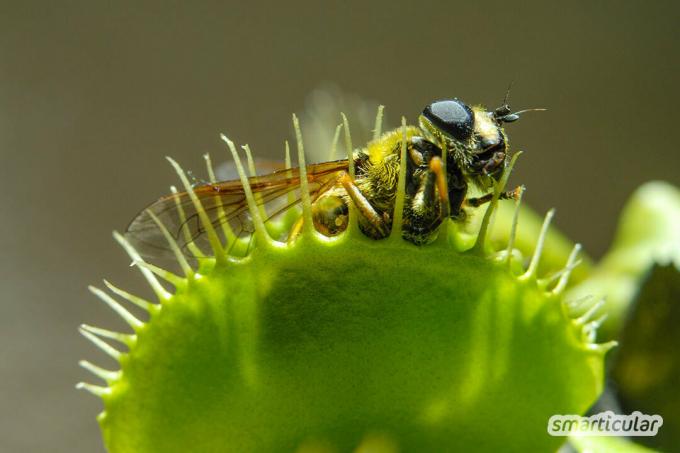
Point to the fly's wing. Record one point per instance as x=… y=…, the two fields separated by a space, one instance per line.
x=223 y=202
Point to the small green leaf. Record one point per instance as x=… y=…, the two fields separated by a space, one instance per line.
x=648 y=234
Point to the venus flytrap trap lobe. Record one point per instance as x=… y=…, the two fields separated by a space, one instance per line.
x=321 y=338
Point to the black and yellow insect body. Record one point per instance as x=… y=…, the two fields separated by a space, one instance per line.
x=476 y=153
x=453 y=147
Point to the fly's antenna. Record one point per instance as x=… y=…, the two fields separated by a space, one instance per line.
x=539 y=109
x=511 y=117
x=504 y=110
x=503 y=114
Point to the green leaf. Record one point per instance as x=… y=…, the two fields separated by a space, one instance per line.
x=646 y=368
x=336 y=341
x=648 y=234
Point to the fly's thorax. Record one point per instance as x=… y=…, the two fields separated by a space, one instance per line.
x=389 y=144
x=378 y=172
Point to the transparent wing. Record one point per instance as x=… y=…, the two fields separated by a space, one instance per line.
x=223 y=202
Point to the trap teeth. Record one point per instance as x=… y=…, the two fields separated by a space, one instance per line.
x=161 y=293
x=536 y=258
x=214 y=240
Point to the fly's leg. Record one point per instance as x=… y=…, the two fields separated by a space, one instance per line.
x=367 y=211
x=440 y=178
x=478 y=201
x=429 y=205
x=424 y=200
x=457 y=189
x=422 y=153
x=330 y=212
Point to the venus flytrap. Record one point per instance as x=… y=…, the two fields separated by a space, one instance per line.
x=326 y=344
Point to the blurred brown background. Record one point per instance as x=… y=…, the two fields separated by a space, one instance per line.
x=92 y=96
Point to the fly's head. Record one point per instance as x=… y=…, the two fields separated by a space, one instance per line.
x=473 y=135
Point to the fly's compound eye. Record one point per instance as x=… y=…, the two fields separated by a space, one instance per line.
x=452 y=117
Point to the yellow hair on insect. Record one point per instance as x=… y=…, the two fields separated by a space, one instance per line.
x=389 y=143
